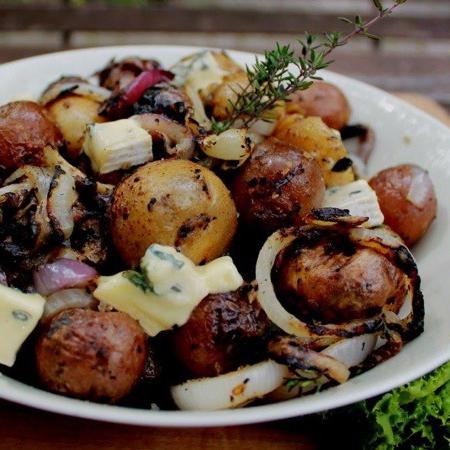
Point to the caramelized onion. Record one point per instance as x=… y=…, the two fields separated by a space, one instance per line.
x=67 y=299
x=178 y=139
x=62 y=274
x=61 y=198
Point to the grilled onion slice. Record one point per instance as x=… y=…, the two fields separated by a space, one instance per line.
x=231 y=389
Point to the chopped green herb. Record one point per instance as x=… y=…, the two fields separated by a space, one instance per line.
x=167 y=257
x=21 y=315
x=139 y=279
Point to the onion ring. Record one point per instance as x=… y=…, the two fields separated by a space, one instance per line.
x=380 y=240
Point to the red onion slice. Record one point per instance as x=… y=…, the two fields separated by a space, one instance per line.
x=133 y=92
x=62 y=274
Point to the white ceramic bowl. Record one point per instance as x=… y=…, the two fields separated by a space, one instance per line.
x=403 y=134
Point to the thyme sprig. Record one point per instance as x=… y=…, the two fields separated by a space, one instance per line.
x=272 y=81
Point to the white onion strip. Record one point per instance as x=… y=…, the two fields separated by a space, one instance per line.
x=66 y=299
x=352 y=351
x=231 y=389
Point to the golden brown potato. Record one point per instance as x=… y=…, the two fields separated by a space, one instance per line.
x=173 y=202
x=220 y=332
x=72 y=114
x=311 y=135
x=25 y=130
x=334 y=282
x=277 y=186
x=225 y=93
x=407 y=200
x=324 y=100
x=91 y=355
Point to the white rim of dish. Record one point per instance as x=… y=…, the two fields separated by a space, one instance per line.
x=335 y=397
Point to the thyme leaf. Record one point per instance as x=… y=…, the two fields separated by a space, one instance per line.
x=270 y=80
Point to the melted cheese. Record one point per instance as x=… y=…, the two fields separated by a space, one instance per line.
x=19 y=315
x=359 y=198
x=172 y=287
x=117 y=145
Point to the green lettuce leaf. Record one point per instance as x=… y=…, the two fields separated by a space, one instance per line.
x=415 y=416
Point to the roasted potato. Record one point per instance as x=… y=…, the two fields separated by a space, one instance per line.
x=407 y=199
x=334 y=282
x=277 y=186
x=25 y=130
x=311 y=135
x=324 y=100
x=219 y=334
x=225 y=93
x=72 y=114
x=173 y=202
x=91 y=355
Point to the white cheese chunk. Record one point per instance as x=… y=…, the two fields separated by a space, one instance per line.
x=168 y=288
x=199 y=70
x=359 y=198
x=117 y=145
x=19 y=315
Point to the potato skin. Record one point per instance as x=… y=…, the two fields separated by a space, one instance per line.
x=25 y=130
x=91 y=355
x=225 y=93
x=173 y=202
x=324 y=100
x=72 y=114
x=218 y=334
x=314 y=137
x=405 y=217
x=277 y=186
x=338 y=284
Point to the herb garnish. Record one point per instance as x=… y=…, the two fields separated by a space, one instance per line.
x=139 y=278
x=270 y=79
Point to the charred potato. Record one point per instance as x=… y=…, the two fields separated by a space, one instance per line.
x=219 y=333
x=311 y=135
x=25 y=130
x=277 y=186
x=407 y=200
x=335 y=282
x=72 y=114
x=173 y=202
x=324 y=100
x=91 y=355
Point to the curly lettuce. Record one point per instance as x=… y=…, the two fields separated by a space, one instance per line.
x=415 y=416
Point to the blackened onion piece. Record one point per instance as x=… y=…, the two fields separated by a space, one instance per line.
x=289 y=351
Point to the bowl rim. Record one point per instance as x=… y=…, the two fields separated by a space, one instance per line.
x=18 y=392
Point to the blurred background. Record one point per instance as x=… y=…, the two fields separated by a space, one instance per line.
x=412 y=56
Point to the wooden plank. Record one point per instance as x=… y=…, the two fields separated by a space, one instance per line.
x=171 y=18
x=29 y=429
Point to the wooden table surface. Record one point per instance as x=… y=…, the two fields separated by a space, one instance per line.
x=27 y=429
